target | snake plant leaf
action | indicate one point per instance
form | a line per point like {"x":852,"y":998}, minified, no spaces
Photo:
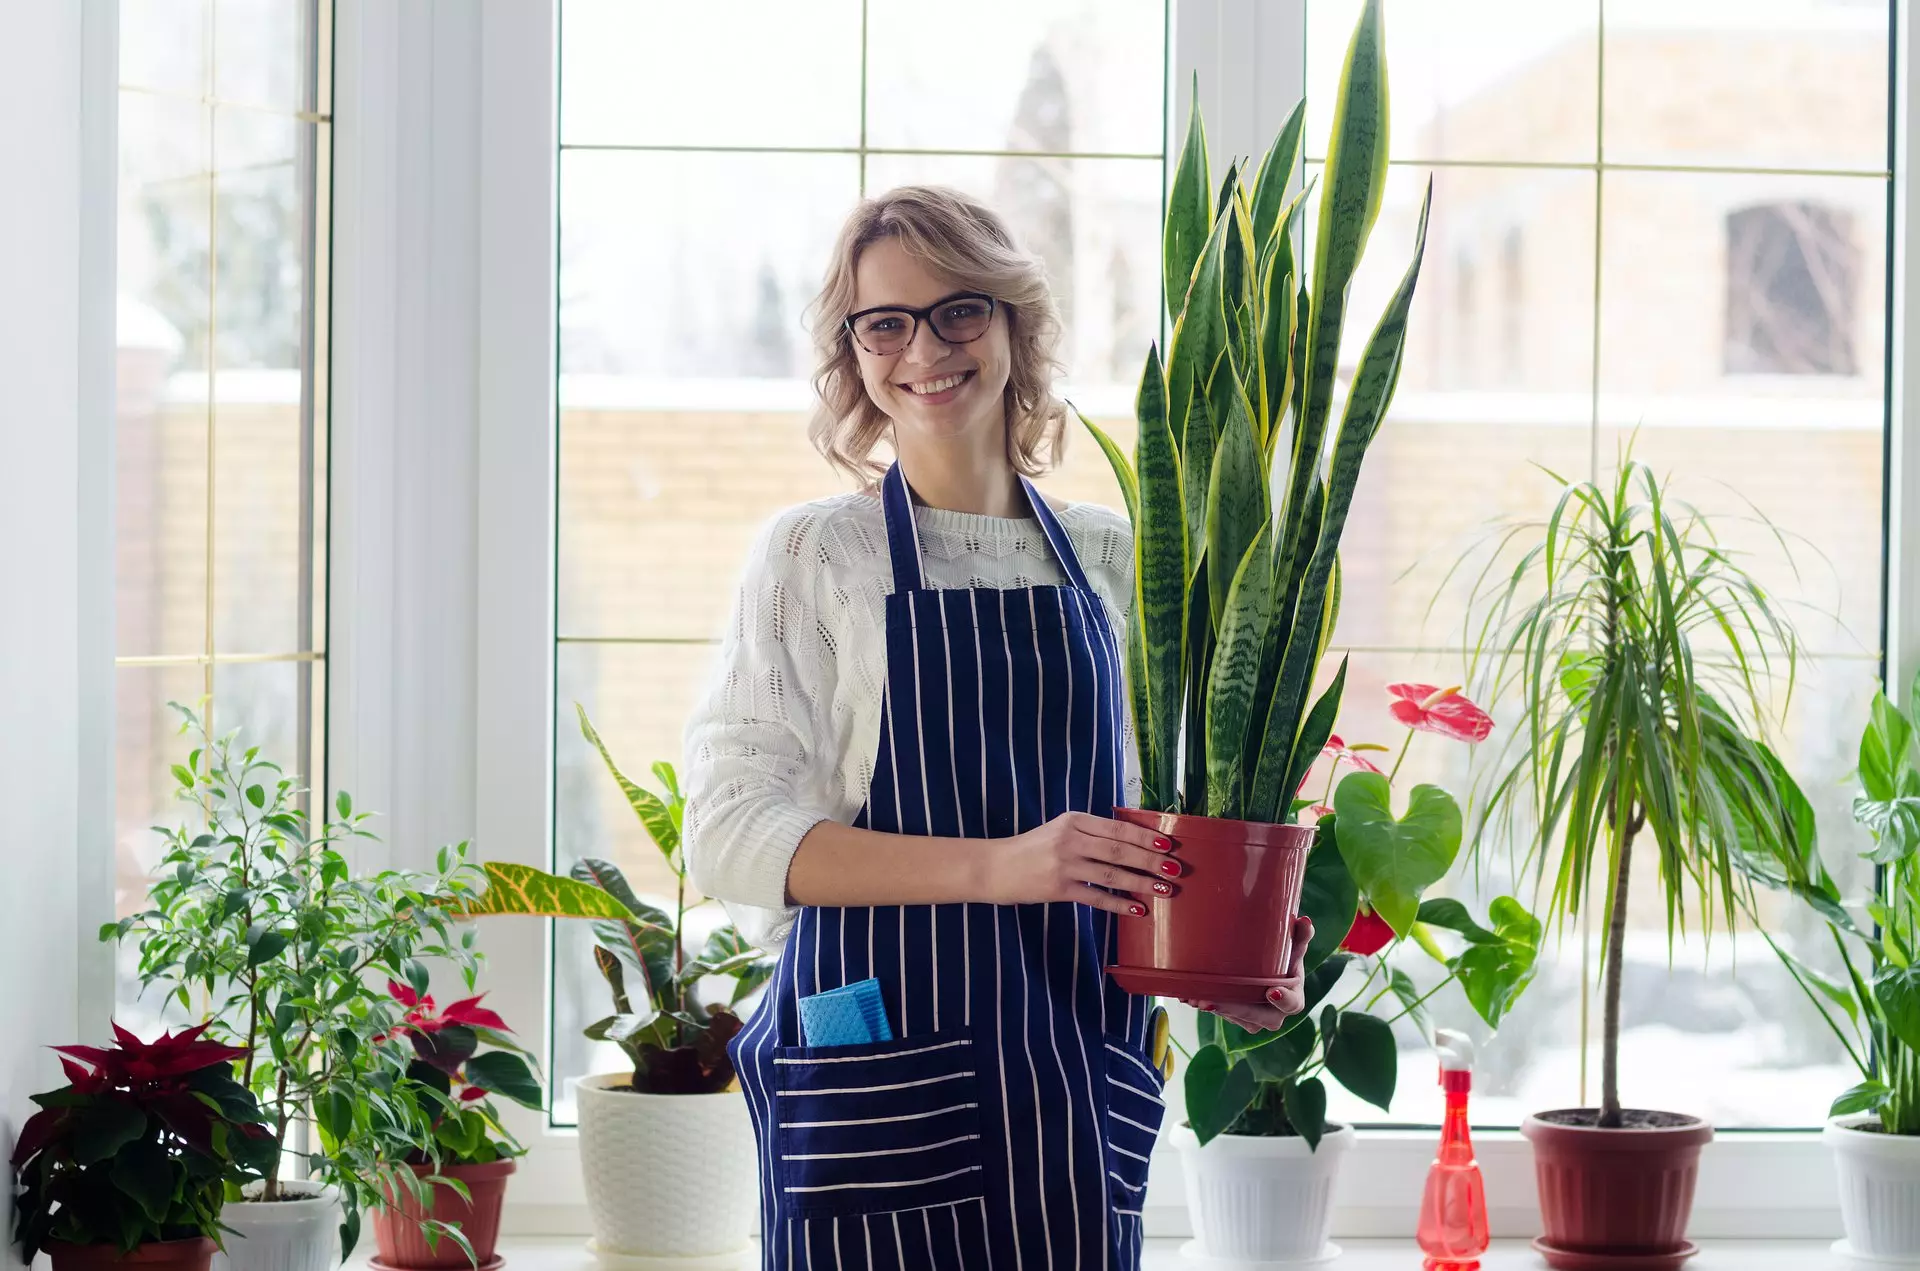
{"x":1200,"y":340}
{"x":1236,"y":668}
{"x":1196,"y":672}
{"x":1123,"y":474}
{"x":1354,"y":181}
{"x":1276,"y":173}
{"x":521,"y":889}
{"x":1196,"y":475}
{"x":1237,"y":258}
{"x":1153,"y":795}
{"x":1282,"y":720}
{"x":1189,"y":210}
{"x":1237,"y":503}
{"x":1314,"y":733}
{"x":1160,"y":571}
{"x":655,"y":817}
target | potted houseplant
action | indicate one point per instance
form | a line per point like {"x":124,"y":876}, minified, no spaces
{"x":1238,"y":492}
{"x":680,"y":1101}
{"x":1874,"y":1129}
{"x":130,"y":1161}
{"x":444,"y":1188}
{"x":1640,"y":650}
{"x":255,"y":919}
{"x":1258,"y":1152}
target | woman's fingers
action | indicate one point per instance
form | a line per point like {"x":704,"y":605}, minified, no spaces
{"x":1302,"y":937}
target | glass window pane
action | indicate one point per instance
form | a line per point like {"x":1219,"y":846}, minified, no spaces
{"x":163,"y":47}
{"x":1057,"y":76}
{"x":765,"y":73}
{"x":1507,"y":80}
{"x":164,"y":316}
{"x":262,"y":52}
{"x":1793,"y":83}
{"x":1761,"y":386}
{"x":667,"y":271}
{"x":1096,"y":225}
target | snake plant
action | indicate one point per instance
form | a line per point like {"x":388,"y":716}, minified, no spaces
{"x":1244,"y":472}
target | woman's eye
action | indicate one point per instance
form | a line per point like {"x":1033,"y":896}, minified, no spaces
{"x":964,"y":313}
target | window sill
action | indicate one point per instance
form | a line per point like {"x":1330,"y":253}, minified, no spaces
{"x":554,"y":1254}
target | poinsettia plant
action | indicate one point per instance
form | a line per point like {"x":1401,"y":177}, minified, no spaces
{"x":139,"y":1146}
{"x":453,"y":1079}
{"x":1363,"y":890}
{"x":676,"y":1037}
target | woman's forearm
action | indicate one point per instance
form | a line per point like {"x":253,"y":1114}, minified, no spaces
{"x":838,"y":865}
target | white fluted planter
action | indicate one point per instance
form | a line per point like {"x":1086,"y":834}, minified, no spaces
{"x":672,"y":1181}
{"x":283,"y":1235}
{"x":1261,"y":1202}
{"x":1879,"y":1192}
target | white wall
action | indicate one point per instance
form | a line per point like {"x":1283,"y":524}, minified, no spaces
{"x":55,"y":437}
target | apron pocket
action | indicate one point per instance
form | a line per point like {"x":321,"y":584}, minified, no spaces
{"x":879,"y":1126}
{"x":1134,"y":1110}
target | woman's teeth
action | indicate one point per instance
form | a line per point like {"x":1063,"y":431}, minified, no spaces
{"x":929,"y":387}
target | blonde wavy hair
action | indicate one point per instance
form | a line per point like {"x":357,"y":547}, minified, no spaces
{"x":956,"y":235}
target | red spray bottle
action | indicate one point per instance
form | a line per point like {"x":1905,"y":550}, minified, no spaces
{"x":1453,"y":1214}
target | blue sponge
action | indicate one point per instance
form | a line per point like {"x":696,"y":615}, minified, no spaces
{"x":845,"y":1016}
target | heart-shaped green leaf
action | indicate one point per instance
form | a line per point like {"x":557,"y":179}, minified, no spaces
{"x":1394,"y":860}
{"x":1328,"y":894}
{"x":1361,"y":1057}
{"x":1217,"y":1092}
{"x":1493,"y":975}
{"x":1306,"y":1105}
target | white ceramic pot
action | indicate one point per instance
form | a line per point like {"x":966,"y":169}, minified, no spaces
{"x":671,"y":1180}
{"x":1260,"y":1202}
{"x":283,"y":1235}
{"x":1879,"y":1191}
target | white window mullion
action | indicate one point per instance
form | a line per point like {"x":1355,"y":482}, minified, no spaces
{"x":1903,"y":473}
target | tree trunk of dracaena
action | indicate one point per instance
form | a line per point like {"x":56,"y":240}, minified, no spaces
{"x":1610,"y":1118}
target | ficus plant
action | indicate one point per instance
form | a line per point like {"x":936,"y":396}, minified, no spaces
{"x":676,"y":1037}
{"x":256,"y":924}
{"x":1641,"y":652}
{"x":1364,"y":883}
{"x":1244,"y":471}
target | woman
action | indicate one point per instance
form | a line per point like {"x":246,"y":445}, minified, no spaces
{"x":905,"y":774}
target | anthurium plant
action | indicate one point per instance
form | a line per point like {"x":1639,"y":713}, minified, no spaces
{"x":1244,"y":471}
{"x":1363,"y":891}
{"x":676,"y":1037}
{"x":1875,"y":1010}
{"x":139,"y":1146}
{"x":257,"y":924}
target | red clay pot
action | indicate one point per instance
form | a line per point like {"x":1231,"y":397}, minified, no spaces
{"x":1228,"y":933}
{"x":403,"y":1245}
{"x":1623,"y":1195}
{"x":161,"y":1255}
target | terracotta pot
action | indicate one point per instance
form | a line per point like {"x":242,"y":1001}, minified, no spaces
{"x":396,"y":1227}
{"x":195,"y":1254}
{"x":1228,"y":933}
{"x":1624,"y":1195}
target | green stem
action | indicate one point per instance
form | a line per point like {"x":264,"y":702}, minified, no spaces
{"x":1405,"y":746}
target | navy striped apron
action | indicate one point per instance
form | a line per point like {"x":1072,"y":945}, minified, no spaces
{"x":1009,"y":1124}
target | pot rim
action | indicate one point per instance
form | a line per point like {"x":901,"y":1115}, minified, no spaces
{"x":602,"y":1083}
{"x":137,"y":1251}
{"x":1850,"y":1134}
{"x":1281,"y":834}
{"x":1338,"y":1137}
{"x":314,"y":1195}
{"x":1653,"y":1138}
{"x":490,"y":1169}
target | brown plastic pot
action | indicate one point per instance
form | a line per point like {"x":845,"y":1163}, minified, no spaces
{"x":1620,"y":1195}
{"x":403,"y":1245}
{"x":195,"y":1254}
{"x":1227,"y":934}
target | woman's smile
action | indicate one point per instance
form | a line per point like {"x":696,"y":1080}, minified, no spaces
{"x":937,"y":390}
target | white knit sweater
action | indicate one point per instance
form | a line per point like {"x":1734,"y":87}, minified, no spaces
{"x":786,"y":736}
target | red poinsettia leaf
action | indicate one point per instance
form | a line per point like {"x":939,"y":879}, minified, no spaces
{"x":88,"y":1054}
{"x":473,"y":1094}
{"x":126,"y":1040}
{"x":1369,"y":934}
{"x":1425,"y":708}
{"x":402,"y":993}
{"x":469,"y":1011}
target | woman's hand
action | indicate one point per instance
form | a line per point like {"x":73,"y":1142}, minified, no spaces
{"x":1284,"y":1001}
{"x":1073,"y":857}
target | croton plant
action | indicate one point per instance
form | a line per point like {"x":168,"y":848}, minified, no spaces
{"x":139,"y":1146}
{"x":676,"y":1037}
{"x":1364,"y":891}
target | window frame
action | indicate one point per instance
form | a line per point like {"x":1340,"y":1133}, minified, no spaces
{"x":485,"y":182}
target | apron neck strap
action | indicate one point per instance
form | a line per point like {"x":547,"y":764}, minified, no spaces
{"x":903,"y":538}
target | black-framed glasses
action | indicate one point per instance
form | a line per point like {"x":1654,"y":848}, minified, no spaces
{"x":958,"y":319}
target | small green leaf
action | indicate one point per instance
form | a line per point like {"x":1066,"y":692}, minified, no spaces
{"x":1216,"y":1093}
{"x":343,"y":804}
{"x":184,"y":777}
{"x":1306,"y":1106}
{"x":270,"y":945}
{"x":256,"y":796}
{"x":417,"y":975}
{"x":1865,"y":1097}
{"x":1362,"y":1057}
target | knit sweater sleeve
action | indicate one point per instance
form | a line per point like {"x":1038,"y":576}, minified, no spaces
{"x":759,"y":747}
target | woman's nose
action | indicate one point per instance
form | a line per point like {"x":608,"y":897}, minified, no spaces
{"x":926,"y":347}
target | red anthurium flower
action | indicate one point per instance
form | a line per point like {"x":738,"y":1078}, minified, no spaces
{"x":1321,"y":809}
{"x":1340,"y":752}
{"x":1368,"y":935}
{"x":1427,"y":709}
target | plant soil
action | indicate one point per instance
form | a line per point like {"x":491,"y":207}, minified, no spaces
{"x":1630,"y":1119}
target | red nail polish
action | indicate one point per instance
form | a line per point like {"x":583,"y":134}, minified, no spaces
{"x":1138,"y":911}
{"x":1170,"y":868}
{"x":1164,"y":889}
{"x":1163,"y":845}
